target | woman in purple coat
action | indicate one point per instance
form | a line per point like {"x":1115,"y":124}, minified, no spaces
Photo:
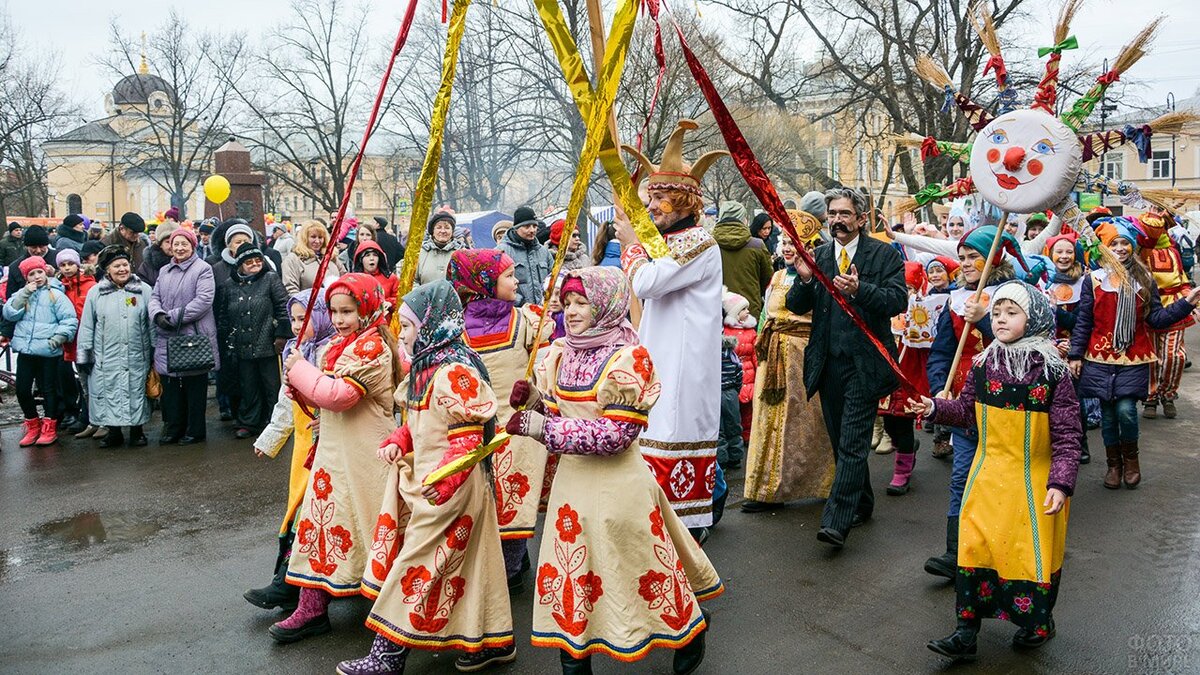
{"x":182,"y":304}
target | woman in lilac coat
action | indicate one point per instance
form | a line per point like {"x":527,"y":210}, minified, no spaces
{"x":182,"y":304}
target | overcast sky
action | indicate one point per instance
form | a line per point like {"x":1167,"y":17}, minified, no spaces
{"x":76,"y":31}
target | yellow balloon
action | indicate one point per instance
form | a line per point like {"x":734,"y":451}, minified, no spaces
{"x":216,"y":188}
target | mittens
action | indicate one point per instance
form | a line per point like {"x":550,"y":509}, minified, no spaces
{"x":527,"y":423}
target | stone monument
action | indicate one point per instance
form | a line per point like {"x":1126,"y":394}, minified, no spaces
{"x":232,"y":161}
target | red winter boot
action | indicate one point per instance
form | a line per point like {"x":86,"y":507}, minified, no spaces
{"x":49,"y":435}
{"x":33,"y":428}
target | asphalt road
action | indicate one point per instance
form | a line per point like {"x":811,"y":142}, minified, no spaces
{"x":134,"y":560}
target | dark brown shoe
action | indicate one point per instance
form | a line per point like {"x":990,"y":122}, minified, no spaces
{"x":1112,"y":477}
{"x":1132,"y":471}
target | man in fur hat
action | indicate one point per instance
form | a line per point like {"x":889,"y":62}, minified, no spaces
{"x":681,"y":327}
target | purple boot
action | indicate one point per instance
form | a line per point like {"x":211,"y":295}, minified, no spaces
{"x":385,"y":658}
{"x":902,"y":473}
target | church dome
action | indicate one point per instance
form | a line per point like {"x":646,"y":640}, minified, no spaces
{"x":137,"y":89}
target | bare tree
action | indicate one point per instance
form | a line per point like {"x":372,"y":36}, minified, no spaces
{"x":178,"y":129}
{"x":31,"y":109}
{"x":303,"y":110}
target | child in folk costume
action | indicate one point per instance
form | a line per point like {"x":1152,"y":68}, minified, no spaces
{"x":1112,"y":351}
{"x":942,"y":273}
{"x":1163,"y":259}
{"x":1065,"y":288}
{"x":964,"y":314}
{"x":353,"y":387}
{"x":288,"y":418}
{"x":504,"y":335}
{"x":917,"y":329}
{"x":1014,"y":514}
{"x":437,"y":572}
{"x":618,"y":573}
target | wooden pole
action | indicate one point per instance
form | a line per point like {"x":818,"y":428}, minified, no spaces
{"x":987,"y":270}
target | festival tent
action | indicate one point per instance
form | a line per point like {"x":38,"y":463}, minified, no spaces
{"x":480,"y":224}
{"x":599,"y":214}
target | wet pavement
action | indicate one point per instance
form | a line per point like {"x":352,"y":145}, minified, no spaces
{"x":134,"y":560}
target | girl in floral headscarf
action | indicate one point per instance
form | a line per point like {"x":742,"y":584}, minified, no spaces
{"x":504,"y":336}
{"x":618,"y":574}
{"x":353,"y":387}
{"x":1013,"y":523}
{"x":288,"y":417}
{"x":436,"y":572}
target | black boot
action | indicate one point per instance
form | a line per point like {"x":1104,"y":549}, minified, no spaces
{"x":689,"y":657}
{"x":137,"y":437}
{"x":959,"y":645}
{"x":574,"y":666}
{"x":113,"y":439}
{"x":946,"y":564}
{"x":1029,"y":639}
{"x":279,"y":593}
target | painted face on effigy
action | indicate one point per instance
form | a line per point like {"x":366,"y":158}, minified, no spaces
{"x":1025,"y":161}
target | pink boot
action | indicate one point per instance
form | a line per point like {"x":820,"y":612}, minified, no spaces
{"x":901,"y":474}
{"x":33,"y":429}
{"x":310,"y":618}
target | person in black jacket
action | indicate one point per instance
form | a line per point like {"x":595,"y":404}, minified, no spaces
{"x":253,"y":310}
{"x":840,"y":363}
{"x":392,"y":248}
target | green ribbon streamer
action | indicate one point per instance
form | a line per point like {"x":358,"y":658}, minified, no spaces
{"x":930,"y":193}
{"x":1069,"y":43}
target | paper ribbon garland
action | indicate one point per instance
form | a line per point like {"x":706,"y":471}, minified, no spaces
{"x":756,"y":177}
{"x":624,"y":189}
{"x":426,"y":183}
{"x":339,"y":224}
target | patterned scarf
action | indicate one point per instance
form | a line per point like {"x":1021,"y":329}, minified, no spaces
{"x":368,"y":295}
{"x":322,"y":328}
{"x":607,"y":289}
{"x":439,"y":335}
{"x":1018,"y":357}
{"x":474,"y":273}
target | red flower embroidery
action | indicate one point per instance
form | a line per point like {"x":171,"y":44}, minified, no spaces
{"x":306,"y":534}
{"x":656,"y":523}
{"x":463,"y":383}
{"x":322,"y":487}
{"x":589,"y":588}
{"x":414,"y":582}
{"x":650,"y":587}
{"x":458,"y":535}
{"x":994,"y":386}
{"x":369,"y":348}
{"x":383,"y":546}
{"x":340,"y":540}
{"x":642,"y":364}
{"x":1039,"y":393}
{"x":568,"y":524}
{"x":517,"y":483}
{"x":548,"y":581}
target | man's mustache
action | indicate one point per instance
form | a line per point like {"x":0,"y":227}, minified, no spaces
{"x":840,"y":227}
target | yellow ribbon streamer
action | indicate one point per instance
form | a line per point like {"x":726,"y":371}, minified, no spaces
{"x":571,"y":63}
{"x":423,"y":197}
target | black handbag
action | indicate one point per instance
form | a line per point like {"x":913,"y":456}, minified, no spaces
{"x":189,"y":353}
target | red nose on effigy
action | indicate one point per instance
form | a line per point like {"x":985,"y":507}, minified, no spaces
{"x":1014,"y":157}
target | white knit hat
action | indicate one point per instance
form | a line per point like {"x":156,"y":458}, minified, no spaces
{"x":733,"y":304}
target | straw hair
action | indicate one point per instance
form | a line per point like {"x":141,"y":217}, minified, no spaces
{"x":906,"y":205}
{"x":1172,"y":123}
{"x":1170,"y":200}
{"x":1063,"y":27}
{"x":1137,"y":47}
{"x":908,"y":140}
{"x":981,"y":18}
{"x":932,"y":72}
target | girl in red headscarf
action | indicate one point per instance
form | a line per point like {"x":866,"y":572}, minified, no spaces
{"x":1065,"y":290}
{"x":504,"y":335}
{"x":353,"y":388}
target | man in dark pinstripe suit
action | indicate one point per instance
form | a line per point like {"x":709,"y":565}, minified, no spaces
{"x":839,"y":362}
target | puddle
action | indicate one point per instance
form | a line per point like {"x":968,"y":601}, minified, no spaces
{"x":88,"y":529}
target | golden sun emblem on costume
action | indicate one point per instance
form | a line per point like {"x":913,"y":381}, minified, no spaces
{"x":1062,"y":293}
{"x":920,"y":315}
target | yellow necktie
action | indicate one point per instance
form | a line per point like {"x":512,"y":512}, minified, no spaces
{"x":844,"y":262}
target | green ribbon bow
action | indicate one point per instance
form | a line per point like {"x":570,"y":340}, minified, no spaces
{"x":930,"y":193}
{"x":1069,"y":43}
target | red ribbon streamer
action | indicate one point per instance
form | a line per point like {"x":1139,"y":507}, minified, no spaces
{"x":1109,"y":77}
{"x":929,"y":148}
{"x":660,"y":57}
{"x":339,"y":224}
{"x":997,"y":62}
{"x":756,"y":177}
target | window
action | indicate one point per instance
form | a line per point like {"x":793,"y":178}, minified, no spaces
{"x":833,"y":164}
{"x":861,"y":172}
{"x":1113,"y":165}
{"x":74,"y":204}
{"x":1160,"y":164}
{"x":877,"y":165}
{"x":358,"y":173}
{"x":358,"y":199}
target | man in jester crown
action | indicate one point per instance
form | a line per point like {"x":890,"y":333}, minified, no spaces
{"x":681,"y":326}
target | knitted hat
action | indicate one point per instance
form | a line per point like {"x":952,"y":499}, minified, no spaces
{"x":111,"y":254}
{"x":133,"y":222}
{"x":556,"y":230}
{"x":945,"y":262}
{"x":440,"y":216}
{"x":14,"y":225}
{"x":381,"y":222}
{"x":814,"y":203}
{"x":731,"y":212}
{"x":239,"y":228}
{"x":91,"y":247}
{"x":500,"y":229}
{"x":248,"y":251}
{"x":1038,"y":311}
{"x":185,"y":233}
{"x":207,"y":227}
{"x":33,"y":262}
{"x":524,"y":215}
{"x":74,"y":219}
{"x":67,"y":255}
{"x":1037,"y":219}
{"x":172,"y":213}
{"x":674,"y":173}
{"x":164,"y":230}
{"x":1109,"y":229}
{"x":35,"y":235}
{"x":980,"y":240}
{"x":732,"y":305}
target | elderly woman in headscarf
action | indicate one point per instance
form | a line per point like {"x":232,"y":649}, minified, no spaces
{"x":619,"y":574}
{"x":437,"y":573}
{"x":352,"y":383}
{"x":504,"y":336}
{"x":288,"y":417}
